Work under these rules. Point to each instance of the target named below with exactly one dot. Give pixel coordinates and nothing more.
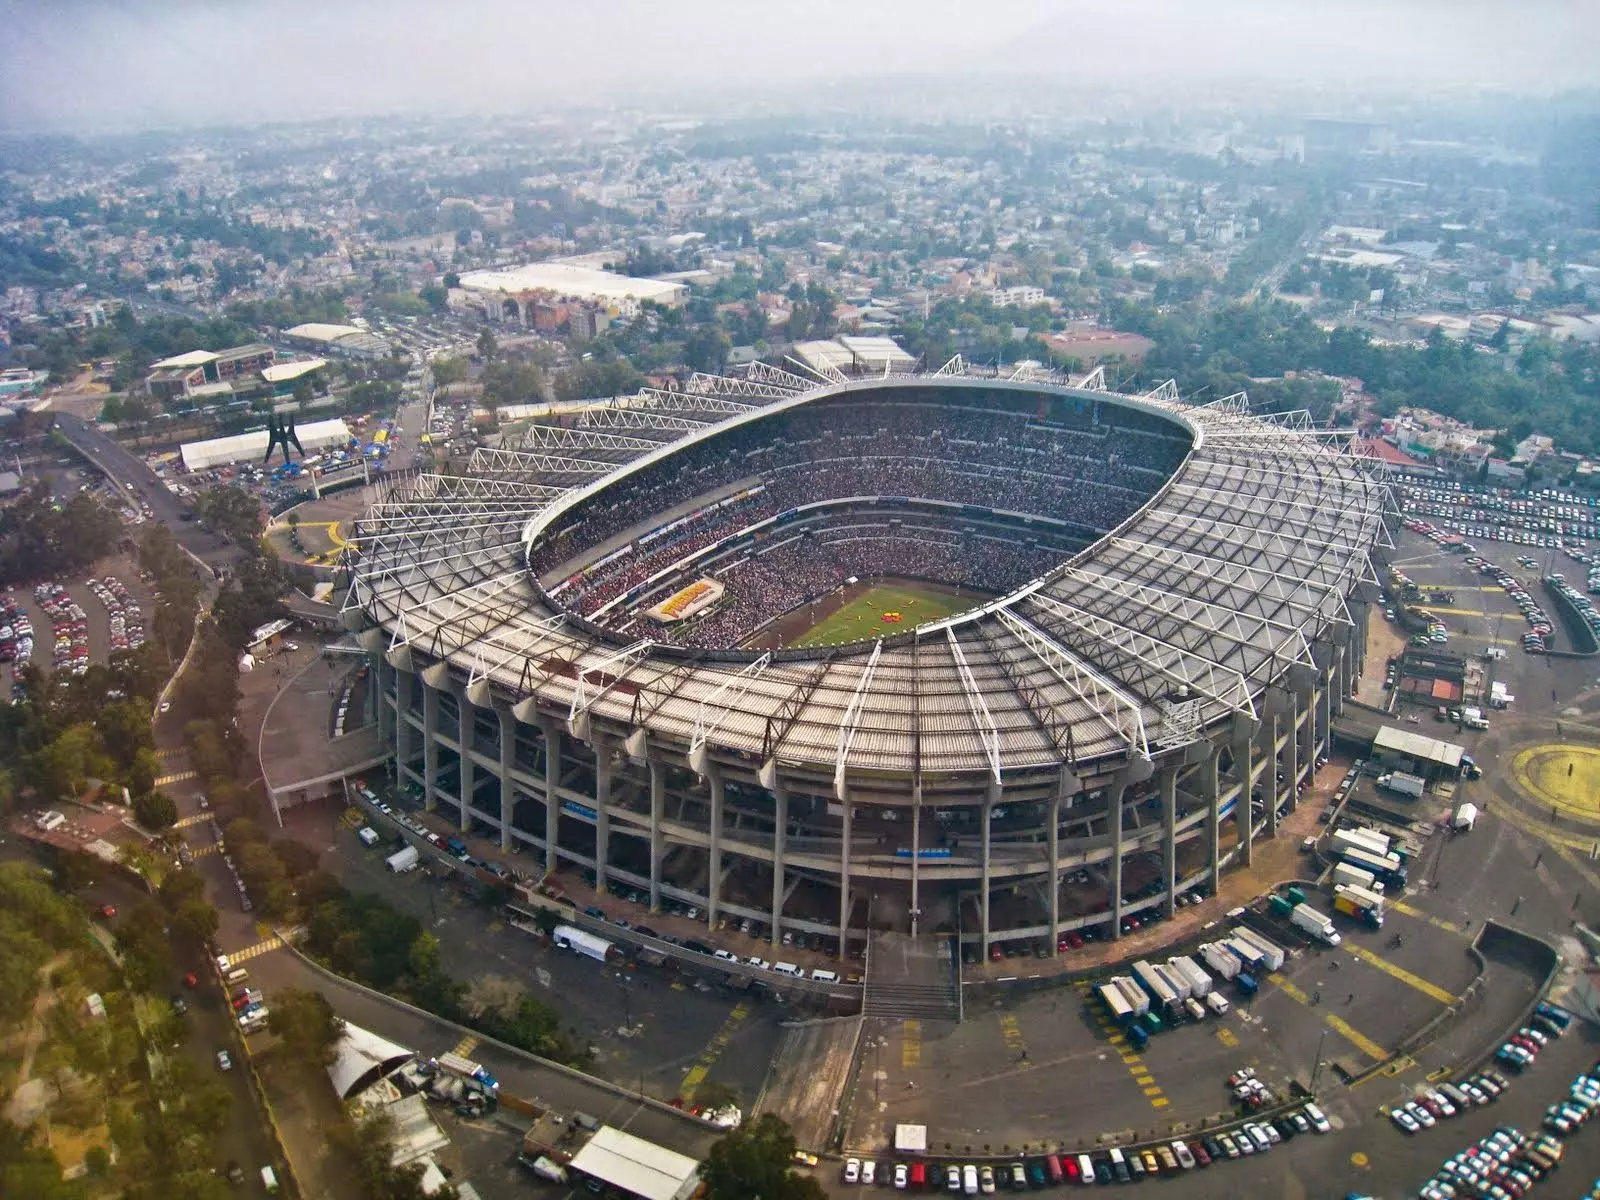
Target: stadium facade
(1107, 735)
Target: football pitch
(862, 615)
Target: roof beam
(977, 707)
(734, 688)
(616, 665)
(850, 723)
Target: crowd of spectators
(1004, 455)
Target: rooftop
(638, 1167)
(569, 279)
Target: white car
(869, 1171)
(852, 1170)
(1404, 1120)
(165, 706)
(1318, 1119)
(900, 1176)
(224, 1061)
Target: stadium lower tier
(1032, 860)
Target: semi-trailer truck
(1271, 952)
(1389, 871)
(1220, 959)
(1199, 981)
(1366, 839)
(1162, 998)
(1133, 994)
(1317, 924)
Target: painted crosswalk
(191, 819)
(176, 777)
(911, 1044)
(265, 946)
(467, 1045)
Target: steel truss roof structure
(1214, 592)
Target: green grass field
(863, 616)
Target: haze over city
(89, 65)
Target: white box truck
(1271, 953)
(1199, 981)
(1219, 959)
(1346, 875)
(1466, 817)
(1405, 785)
(1363, 838)
(1318, 924)
(567, 937)
(403, 860)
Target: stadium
(1009, 658)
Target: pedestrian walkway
(266, 945)
(191, 819)
(177, 777)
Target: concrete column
(780, 834)
(1114, 863)
(603, 771)
(1242, 747)
(402, 723)
(714, 883)
(916, 845)
(983, 905)
(383, 681)
(1269, 778)
(844, 869)
(508, 759)
(1053, 815)
(1291, 754)
(430, 747)
(552, 801)
(658, 803)
(469, 776)
(1167, 781)
(1210, 787)
(1308, 733)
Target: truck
(402, 861)
(544, 1168)
(1174, 980)
(1249, 956)
(1132, 993)
(1362, 838)
(1220, 959)
(1162, 998)
(1271, 953)
(460, 1065)
(1465, 818)
(1473, 718)
(1279, 906)
(1346, 875)
(1360, 904)
(1199, 981)
(579, 941)
(1389, 871)
(1116, 1004)
(1246, 984)
(1405, 785)
(1318, 924)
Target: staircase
(913, 980)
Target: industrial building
(252, 446)
(345, 340)
(512, 294)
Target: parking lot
(64, 625)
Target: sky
(131, 64)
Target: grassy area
(863, 616)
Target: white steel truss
(977, 706)
(1094, 381)
(850, 722)
(557, 437)
(1210, 678)
(615, 417)
(655, 400)
(1167, 392)
(448, 608)
(827, 372)
(607, 673)
(1238, 403)
(760, 372)
(1254, 584)
(528, 639)
(956, 366)
(533, 462)
(728, 385)
(1119, 712)
(733, 688)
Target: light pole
(1316, 1070)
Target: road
(132, 474)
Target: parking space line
(1227, 1036)
(1338, 1024)
(191, 819)
(1142, 1078)
(1400, 906)
(1013, 1036)
(696, 1075)
(910, 1044)
(1394, 970)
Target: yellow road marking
(910, 1044)
(202, 851)
(1227, 1037)
(249, 952)
(1338, 1024)
(1406, 977)
(467, 1045)
(1461, 612)
(1400, 906)
(1013, 1036)
(696, 1075)
(178, 777)
(191, 819)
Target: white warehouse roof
(220, 452)
(569, 279)
(1418, 746)
(283, 372)
(637, 1167)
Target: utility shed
(1425, 756)
(637, 1168)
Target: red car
(108, 911)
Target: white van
(269, 1180)
(789, 969)
(969, 1180)
(1085, 1169)
(1194, 1008)
(1217, 1004)
(821, 976)
(368, 836)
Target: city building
(345, 340)
(252, 446)
(510, 294)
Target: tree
(488, 346)
(754, 1160)
(303, 392)
(493, 995)
(155, 811)
(307, 1024)
(142, 939)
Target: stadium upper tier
(1221, 548)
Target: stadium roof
(191, 358)
(570, 279)
(1223, 588)
(638, 1167)
(284, 372)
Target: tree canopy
(757, 1159)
